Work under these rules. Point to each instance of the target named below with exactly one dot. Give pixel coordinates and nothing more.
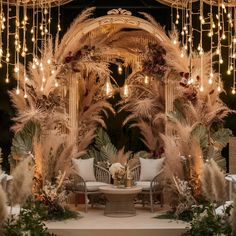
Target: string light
(146, 79)
(120, 69)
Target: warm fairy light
(182, 54)
(43, 79)
(52, 72)
(120, 70)
(126, 91)
(7, 80)
(219, 88)
(108, 88)
(201, 88)
(17, 91)
(218, 51)
(41, 89)
(26, 78)
(210, 81)
(16, 69)
(231, 67)
(25, 95)
(33, 66)
(221, 61)
(228, 72)
(146, 79)
(223, 36)
(174, 41)
(49, 61)
(56, 84)
(233, 91)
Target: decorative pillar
(73, 108)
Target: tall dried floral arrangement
(21, 185)
(213, 182)
(3, 206)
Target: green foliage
(200, 134)
(23, 140)
(103, 149)
(29, 222)
(221, 137)
(206, 222)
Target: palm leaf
(22, 141)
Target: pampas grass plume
(206, 179)
(21, 186)
(219, 183)
(3, 206)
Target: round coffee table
(120, 201)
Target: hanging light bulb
(125, 92)
(218, 88)
(120, 70)
(146, 79)
(25, 95)
(17, 91)
(210, 81)
(229, 72)
(201, 88)
(174, 41)
(56, 84)
(233, 91)
(108, 89)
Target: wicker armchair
(78, 185)
(152, 189)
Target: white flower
(117, 170)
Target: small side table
(120, 201)
(232, 185)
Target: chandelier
(208, 25)
(19, 21)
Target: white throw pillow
(85, 168)
(150, 168)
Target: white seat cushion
(94, 186)
(145, 185)
(150, 168)
(85, 169)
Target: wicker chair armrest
(157, 183)
(76, 183)
(102, 174)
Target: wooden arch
(126, 19)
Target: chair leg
(151, 202)
(86, 202)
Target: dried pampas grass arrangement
(213, 182)
(219, 183)
(3, 206)
(21, 185)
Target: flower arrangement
(121, 174)
(117, 171)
